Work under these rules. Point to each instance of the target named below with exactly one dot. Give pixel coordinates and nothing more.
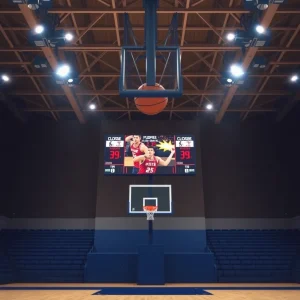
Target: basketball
(151, 106)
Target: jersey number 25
(149, 170)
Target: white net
(150, 211)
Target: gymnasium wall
(249, 171)
(56, 171)
(9, 141)
(245, 171)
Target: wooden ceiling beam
(186, 48)
(116, 109)
(25, 65)
(80, 92)
(117, 75)
(216, 53)
(247, 59)
(49, 54)
(159, 28)
(274, 67)
(133, 10)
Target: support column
(150, 40)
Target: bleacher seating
(254, 255)
(48, 255)
(6, 275)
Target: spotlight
(209, 106)
(33, 6)
(257, 4)
(259, 62)
(39, 29)
(69, 36)
(260, 29)
(5, 78)
(40, 63)
(63, 71)
(230, 36)
(92, 106)
(236, 71)
(64, 75)
(262, 6)
(294, 78)
(229, 80)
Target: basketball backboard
(149, 63)
(153, 195)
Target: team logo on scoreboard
(114, 144)
(184, 143)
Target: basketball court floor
(90, 291)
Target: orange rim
(150, 208)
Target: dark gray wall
(9, 142)
(290, 158)
(57, 171)
(51, 170)
(243, 171)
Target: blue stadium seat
(254, 255)
(48, 255)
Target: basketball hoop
(150, 211)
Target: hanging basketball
(151, 106)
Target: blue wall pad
(190, 267)
(111, 267)
(123, 267)
(127, 241)
(297, 269)
(152, 291)
(151, 266)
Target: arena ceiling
(98, 26)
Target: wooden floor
(87, 294)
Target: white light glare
(229, 80)
(260, 29)
(39, 29)
(70, 80)
(33, 6)
(92, 106)
(236, 71)
(262, 6)
(63, 70)
(69, 36)
(209, 106)
(294, 78)
(230, 36)
(5, 78)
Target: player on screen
(149, 162)
(137, 148)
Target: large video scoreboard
(149, 155)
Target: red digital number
(185, 155)
(114, 154)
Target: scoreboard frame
(187, 153)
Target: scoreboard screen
(149, 155)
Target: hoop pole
(150, 222)
(150, 39)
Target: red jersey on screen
(148, 166)
(136, 151)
